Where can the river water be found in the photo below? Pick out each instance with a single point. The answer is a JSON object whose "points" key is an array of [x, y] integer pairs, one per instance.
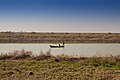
{"points": [[69, 49]]}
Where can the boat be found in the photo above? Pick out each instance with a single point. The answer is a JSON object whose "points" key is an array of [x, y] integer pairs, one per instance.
{"points": [[57, 46], [53, 46]]}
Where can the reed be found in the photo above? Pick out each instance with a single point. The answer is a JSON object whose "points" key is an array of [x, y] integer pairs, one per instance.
{"points": [[28, 55]]}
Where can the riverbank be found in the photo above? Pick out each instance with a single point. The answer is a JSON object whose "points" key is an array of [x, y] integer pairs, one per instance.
{"points": [[64, 70], [34, 37], [25, 66]]}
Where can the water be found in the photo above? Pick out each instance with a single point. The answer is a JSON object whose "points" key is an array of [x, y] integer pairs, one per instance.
{"points": [[69, 49]]}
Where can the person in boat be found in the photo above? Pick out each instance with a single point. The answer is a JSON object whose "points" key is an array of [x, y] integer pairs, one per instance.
{"points": [[63, 43], [59, 45]]}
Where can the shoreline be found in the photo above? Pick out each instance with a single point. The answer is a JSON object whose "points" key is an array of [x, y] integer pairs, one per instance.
{"points": [[53, 38], [58, 43]]}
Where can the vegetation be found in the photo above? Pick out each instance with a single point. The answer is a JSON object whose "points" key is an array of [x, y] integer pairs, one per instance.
{"points": [[34, 37], [23, 65]]}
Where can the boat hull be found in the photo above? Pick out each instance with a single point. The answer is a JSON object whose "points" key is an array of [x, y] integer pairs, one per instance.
{"points": [[56, 46]]}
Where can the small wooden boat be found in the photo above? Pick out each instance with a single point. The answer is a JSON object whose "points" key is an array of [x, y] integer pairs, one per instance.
{"points": [[57, 46], [53, 46]]}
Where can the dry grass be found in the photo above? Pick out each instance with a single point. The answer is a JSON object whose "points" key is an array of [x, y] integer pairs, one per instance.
{"points": [[23, 65], [33, 37], [28, 55]]}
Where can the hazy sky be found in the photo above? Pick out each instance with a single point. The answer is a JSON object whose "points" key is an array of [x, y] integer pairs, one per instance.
{"points": [[60, 15]]}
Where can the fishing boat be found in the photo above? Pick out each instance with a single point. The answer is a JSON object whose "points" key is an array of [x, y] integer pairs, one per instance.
{"points": [[57, 46]]}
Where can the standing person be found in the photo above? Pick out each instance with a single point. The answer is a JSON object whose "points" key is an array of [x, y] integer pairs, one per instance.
{"points": [[63, 43]]}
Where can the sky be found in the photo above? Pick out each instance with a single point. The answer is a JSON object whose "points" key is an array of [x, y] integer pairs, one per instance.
{"points": [[94, 16]]}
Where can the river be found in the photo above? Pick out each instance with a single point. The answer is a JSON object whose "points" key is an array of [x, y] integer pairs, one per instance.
{"points": [[69, 49]]}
